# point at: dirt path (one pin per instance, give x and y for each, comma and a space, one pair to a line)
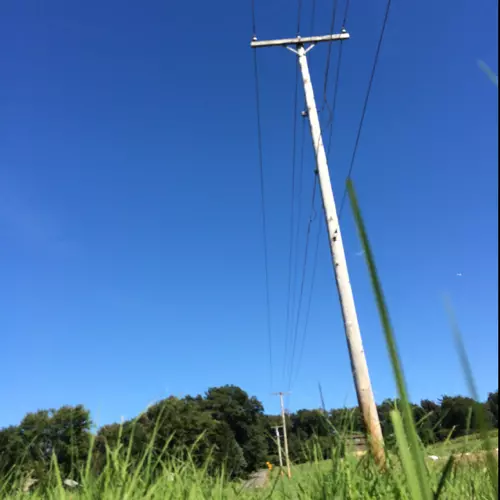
257, 479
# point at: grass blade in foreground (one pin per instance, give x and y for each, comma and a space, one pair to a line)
480, 416
406, 458
489, 73
407, 414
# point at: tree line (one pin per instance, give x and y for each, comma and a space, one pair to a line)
225, 429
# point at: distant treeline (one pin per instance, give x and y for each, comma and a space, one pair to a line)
225, 429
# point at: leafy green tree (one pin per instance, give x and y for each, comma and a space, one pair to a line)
458, 415
182, 427
244, 416
63, 433
309, 423
347, 420
492, 405
11, 450
430, 428
227, 454
384, 414
69, 434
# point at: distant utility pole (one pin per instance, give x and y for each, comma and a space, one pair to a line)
356, 352
285, 437
278, 441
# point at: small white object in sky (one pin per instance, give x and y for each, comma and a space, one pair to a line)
459, 274
360, 253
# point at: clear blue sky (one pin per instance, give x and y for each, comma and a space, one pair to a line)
131, 256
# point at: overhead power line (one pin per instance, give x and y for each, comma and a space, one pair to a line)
329, 124
289, 307
263, 203
336, 84
313, 16
310, 295
302, 282
299, 15
365, 105
328, 56
300, 180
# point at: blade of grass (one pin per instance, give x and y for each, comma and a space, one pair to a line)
57, 473
480, 414
409, 465
444, 477
407, 414
488, 72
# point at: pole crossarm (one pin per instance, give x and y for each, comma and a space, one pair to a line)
255, 44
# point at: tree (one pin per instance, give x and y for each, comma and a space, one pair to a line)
69, 434
11, 450
228, 454
492, 405
63, 433
347, 420
384, 413
244, 416
309, 423
458, 415
182, 428
430, 429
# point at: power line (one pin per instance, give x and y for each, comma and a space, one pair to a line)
308, 309
254, 27
336, 83
299, 14
365, 105
299, 210
313, 16
262, 197
304, 267
290, 252
346, 12
339, 60
329, 124
300, 179
328, 56
334, 104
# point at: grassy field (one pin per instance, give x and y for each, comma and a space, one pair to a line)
348, 478
464, 444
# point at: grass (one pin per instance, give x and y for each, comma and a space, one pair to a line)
406, 475
464, 444
350, 478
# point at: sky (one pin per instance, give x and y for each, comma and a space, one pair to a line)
131, 248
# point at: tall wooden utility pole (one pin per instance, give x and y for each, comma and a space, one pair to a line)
356, 353
278, 442
285, 437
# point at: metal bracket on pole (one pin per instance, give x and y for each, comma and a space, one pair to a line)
305, 50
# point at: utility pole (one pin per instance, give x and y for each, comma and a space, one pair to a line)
359, 365
278, 441
285, 437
